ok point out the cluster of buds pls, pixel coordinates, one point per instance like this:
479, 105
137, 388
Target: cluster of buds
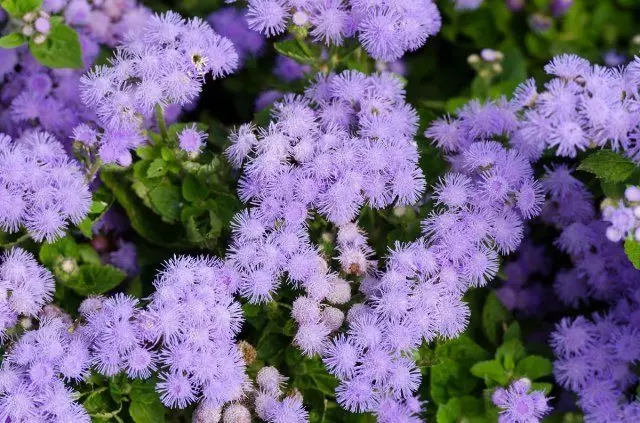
488, 64
36, 26
623, 215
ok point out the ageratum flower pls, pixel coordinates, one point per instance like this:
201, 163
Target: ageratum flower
387, 30
162, 63
519, 405
40, 188
34, 371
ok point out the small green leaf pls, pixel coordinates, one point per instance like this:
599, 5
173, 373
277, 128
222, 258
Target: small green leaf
18, 8
608, 165
632, 249
294, 50
512, 332
157, 168
146, 406
60, 50
166, 200
12, 40
534, 367
193, 190
491, 369
542, 386
86, 227
460, 409
63, 248
97, 207
96, 279
510, 353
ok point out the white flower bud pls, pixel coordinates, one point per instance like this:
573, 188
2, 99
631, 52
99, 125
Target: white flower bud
236, 413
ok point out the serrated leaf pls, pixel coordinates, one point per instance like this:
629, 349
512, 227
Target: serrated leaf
96, 279
292, 49
608, 165
494, 316
632, 249
491, 369
12, 40
166, 200
157, 168
60, 50
534, 367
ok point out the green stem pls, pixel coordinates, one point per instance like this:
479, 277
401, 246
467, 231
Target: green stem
16, 242
93, 170
162, 124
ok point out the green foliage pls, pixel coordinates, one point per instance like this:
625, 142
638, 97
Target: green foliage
19, 8
12, 40
61, 48
632, 249
145, 406
494, 318
608, 165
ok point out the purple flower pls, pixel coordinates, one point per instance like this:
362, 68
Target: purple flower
191, 139
519, 405
230, 23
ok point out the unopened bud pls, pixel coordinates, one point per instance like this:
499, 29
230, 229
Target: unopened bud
68, 265
206, 413
29, 17
236, 413
39, 39
248, 351
300, 18
473, 59
28, 30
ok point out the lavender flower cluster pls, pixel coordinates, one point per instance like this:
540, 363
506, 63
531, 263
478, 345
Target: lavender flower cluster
25, 287
33, 96
583, 106
519, 405
40, 188
164, 62
34, 371
269, 404
185, 334
386, 29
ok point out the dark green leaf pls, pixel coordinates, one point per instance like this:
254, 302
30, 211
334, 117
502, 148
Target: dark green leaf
96, 279
166, 201
632, 249
534, 367
491, 369
61, 49
146, 406
12, 40
466, 408
157, 168
608, 165
512, 332
193, 190
87, 254
63, 247
494, 317
86, 227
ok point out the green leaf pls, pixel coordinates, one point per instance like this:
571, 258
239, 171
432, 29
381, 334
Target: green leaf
12, 40
193, 190
512, 332
542, 386
146, 152
491, 369
632, 249
87, 254
146, 406
86, 227
146, 223
97, 207
18, 8
294, 50
461, 409
60, 50
99, 401
96, 279
510, 353
166, 200
157, 168
608, 165
534, 367
63, 247
494, 317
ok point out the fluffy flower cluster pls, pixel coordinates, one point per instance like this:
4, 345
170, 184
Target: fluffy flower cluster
25, 287
194, 319
519, 405
347, 143
583, 106
164, 62
34, 371
270, 405
595, 356
186, 334
230, 22
40, 188
624, 216
386, 29
32, 95
480, 212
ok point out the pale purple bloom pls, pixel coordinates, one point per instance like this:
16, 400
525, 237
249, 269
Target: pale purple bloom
519, 404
